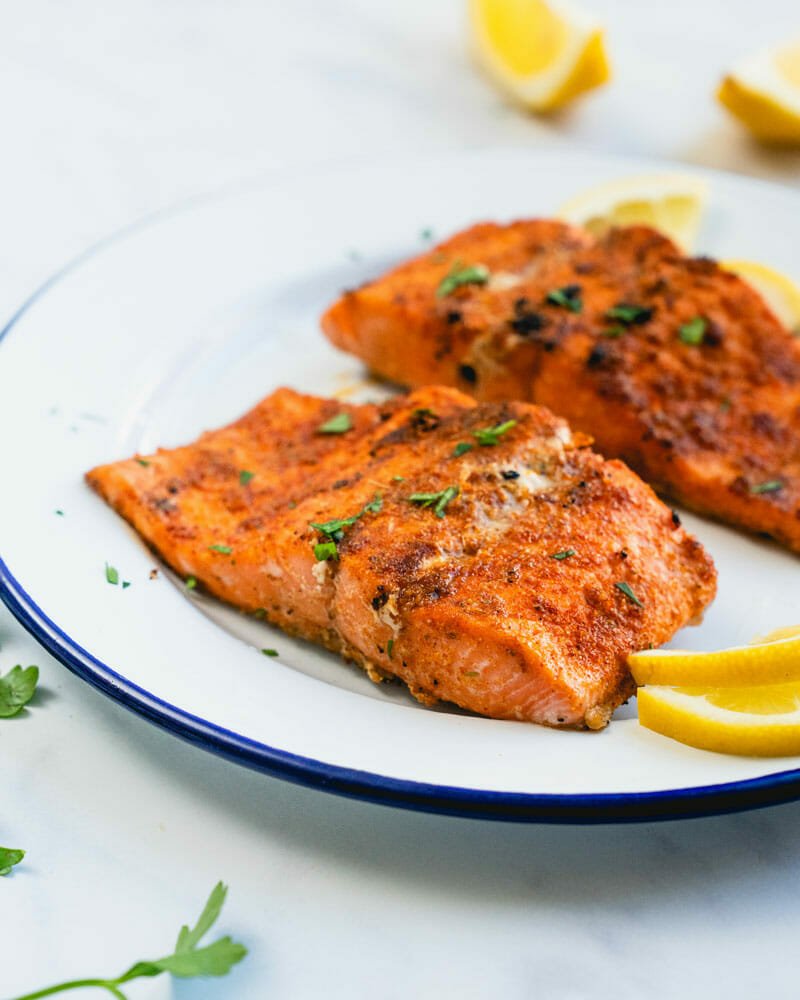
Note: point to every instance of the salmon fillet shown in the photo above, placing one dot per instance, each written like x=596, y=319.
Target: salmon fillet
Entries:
x=479, y=552
x=671, y=363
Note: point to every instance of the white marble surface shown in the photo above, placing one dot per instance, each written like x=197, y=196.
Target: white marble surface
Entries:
x=114, y=110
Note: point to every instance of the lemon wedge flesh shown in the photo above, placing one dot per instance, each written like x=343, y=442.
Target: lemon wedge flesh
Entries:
x=774, y=659
x=544, y=54
x=763, y=92
x=671, y=203
x=778, y=290
x=748, y=721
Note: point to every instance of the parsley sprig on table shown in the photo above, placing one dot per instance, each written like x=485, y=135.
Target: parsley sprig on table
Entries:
x=186, y=961
x=10, y=856
x=17, y=688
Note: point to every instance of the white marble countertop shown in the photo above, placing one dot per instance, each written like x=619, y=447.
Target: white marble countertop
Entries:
x=114, y=110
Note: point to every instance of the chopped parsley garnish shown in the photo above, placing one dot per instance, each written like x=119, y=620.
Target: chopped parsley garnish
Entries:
x=566, y=554
x=374, y=506
x=458, y=275
x=126, y=584
x=629, y=314
x=9, y=856
x=390, y=648
x=270, y=652
x=568, y=297
x=725, y=404
x=770, y=486
x=462, y=448
x=614, y=331
x=260, y=613
x=325, y=550
x=693, y=332
x=224, y=549
x=112, y=576
x=190, y=582
x=17, y=687
x=334, y=530
x=438, y=500
x=143, y=461
x=426, y=234
x=470, y=673
x=399, y=479
x=59, y=512
x=626, y=590
x=487, y=436
x=336, y=425
x=245, y=477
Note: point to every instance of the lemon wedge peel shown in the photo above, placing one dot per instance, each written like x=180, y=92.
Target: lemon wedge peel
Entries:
x=670, y=203
x=777, y=289
x=769, y=661
x=692, y=718
x=572, y=58
x=763, y=92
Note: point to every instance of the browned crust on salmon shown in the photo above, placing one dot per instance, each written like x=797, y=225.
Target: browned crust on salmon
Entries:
x=715, y=425
x=471, y=607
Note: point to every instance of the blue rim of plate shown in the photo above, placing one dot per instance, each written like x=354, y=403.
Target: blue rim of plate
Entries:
x=519, y=807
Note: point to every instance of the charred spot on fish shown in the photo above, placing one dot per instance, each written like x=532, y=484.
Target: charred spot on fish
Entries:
x=597, y=357
x=676, y=519
x=454, y=316
x=509, y=474
x=340, y=484
x=714, y=335
x=424, y=420
x=380, y=597
x=584, y=267
x=165, y=504
x=468, y=373
x=383, y=416
x=623, y=554
x=527, y=323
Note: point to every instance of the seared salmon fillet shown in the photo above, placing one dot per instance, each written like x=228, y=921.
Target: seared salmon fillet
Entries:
x=481, y=553
x=671, y=363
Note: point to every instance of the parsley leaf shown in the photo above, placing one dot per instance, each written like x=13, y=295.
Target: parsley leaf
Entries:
x=112, y=576
x=143, y=461
x=390, y=648
x=334, y=529
x=770, y=486
x=336, y=425
x=693, y=332
x=476, y=274
x=245, y=477
x=487, y=436
x=568, y=297
x=629, y=314
x=9, y=856
x=566, y=554
x=626, y=590
x=191, y=582
x=270, y=652
x=186, y=961
x=224, y=549
x=438, y=500
x=16, y=689
x=462, y=448
x=325, y=550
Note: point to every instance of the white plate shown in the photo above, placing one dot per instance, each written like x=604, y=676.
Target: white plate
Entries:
x=184, y=323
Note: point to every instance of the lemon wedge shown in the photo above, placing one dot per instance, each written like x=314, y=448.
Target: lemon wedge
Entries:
x=778, y=290
x=542, y=53
x=671, y=203
x=763, y=92
x=773, y=659
x=749, y=721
